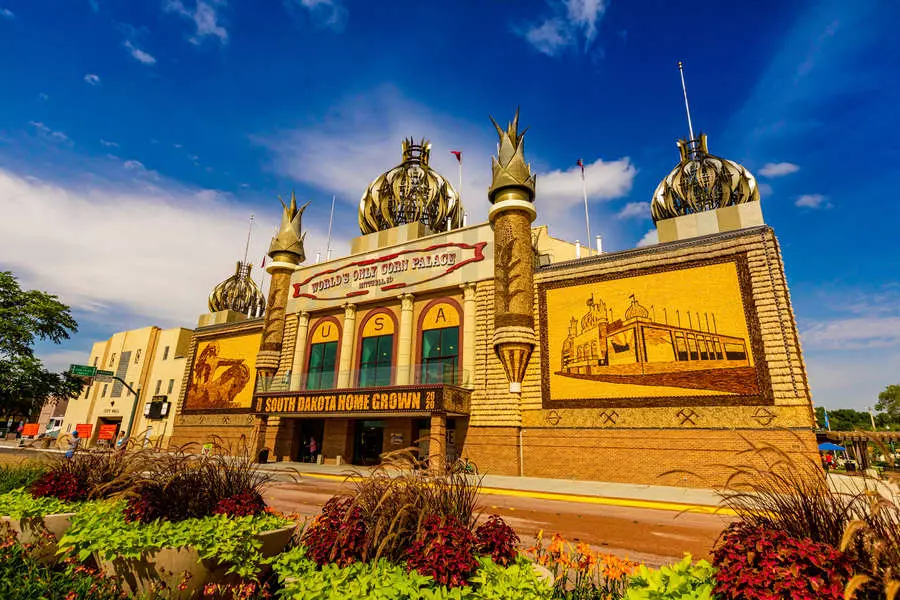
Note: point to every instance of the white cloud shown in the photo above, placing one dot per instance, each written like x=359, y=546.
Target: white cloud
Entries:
x=330, y=14
x=205, y=18
x=635, y=210
x=47, y=132
x=7, y=14
x=853, y=333
x=92, y=79
x=650, y=238
x=43, y=97
x=571, y=21
x=138, y=54
x=778, y=169
x=108, y=143
x=812, y=201
x=604, y=180
x=149, y=253
x=851, y=379
x=765, y=190
x=95, y=5
x=60, y=360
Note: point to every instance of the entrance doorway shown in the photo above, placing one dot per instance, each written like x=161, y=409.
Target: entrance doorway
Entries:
x=306, y=430
x=368, y=443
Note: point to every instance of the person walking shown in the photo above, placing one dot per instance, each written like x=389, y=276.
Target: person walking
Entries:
x=73, y=444
x=313, y=449
x=121, y=441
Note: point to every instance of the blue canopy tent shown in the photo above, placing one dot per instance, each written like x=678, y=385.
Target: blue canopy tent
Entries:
x=829, y=447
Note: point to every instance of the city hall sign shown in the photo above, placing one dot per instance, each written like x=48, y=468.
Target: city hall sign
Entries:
x=375, y=277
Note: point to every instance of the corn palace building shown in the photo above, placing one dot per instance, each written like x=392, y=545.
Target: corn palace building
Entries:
x=499, y=343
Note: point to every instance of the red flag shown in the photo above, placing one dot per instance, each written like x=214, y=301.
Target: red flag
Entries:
x=263, y=265
x=580, y=163
x=457, y=154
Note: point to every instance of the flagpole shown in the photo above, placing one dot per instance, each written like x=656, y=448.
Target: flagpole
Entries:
x=330, y=221
x=587, y=218
x=249, y=233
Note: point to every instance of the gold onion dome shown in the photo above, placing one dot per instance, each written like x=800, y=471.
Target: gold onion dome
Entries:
x=410, y=192
x=238, y=293
x=701, y=182
x=636, y=310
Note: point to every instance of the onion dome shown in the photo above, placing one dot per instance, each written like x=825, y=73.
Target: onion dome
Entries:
x=701, y=182
x=636, y=310
x=238, y=293
x=408, y=193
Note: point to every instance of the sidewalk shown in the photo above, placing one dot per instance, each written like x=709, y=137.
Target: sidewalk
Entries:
x=566, y=490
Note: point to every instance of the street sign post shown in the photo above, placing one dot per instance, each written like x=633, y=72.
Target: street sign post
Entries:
x=106, y=373
x=83, y=370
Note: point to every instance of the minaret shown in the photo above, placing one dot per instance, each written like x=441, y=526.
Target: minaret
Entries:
x=286, y=252
x=512, y=196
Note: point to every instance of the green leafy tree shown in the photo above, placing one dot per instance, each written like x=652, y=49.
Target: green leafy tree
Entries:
x=889, y=404
x=844, y=419
x=27, y=316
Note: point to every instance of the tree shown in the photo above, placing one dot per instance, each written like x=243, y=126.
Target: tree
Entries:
x=25, y=317
x=889, y=403
x=844, y=419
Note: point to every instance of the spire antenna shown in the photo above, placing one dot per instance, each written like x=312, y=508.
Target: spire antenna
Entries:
x=249, y=233
x=687, y=106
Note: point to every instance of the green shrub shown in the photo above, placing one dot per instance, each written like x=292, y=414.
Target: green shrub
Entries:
x=681, y=581
x=302, y=581
x=19, y=476
x=20, y=504
x=101, y=528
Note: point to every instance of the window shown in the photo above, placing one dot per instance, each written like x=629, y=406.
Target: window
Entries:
x=440, y=355
x=68, y=428
x=158, y=385
x=320, y=370
x=440, y=344
x=96, y=360
x=137, y=356
x=103, y=395
x=112, y=359
x=171, y=385
x=321, y=366
x=165, y=353
x=375, y=361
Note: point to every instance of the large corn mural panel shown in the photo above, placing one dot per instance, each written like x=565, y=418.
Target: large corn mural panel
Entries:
x=222, y=373
x=670, y=334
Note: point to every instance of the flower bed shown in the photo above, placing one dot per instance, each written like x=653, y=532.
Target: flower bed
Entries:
x=180, y=556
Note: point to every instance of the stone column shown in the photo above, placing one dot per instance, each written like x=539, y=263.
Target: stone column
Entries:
x=404, y=341
x=468, y=331
x=297, y=374
x=437, y=445
x=347, y=336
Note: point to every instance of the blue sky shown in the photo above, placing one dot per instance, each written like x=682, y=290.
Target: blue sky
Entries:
x=137, y=137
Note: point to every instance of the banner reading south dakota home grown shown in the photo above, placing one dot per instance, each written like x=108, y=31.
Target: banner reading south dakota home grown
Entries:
x=417, y=399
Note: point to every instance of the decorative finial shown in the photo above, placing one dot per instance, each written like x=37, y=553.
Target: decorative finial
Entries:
x=287, y=245
x=687, y=107
x=509, y=167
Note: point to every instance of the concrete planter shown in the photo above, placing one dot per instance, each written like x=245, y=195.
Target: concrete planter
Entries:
x=168, y=566
x=29, y=530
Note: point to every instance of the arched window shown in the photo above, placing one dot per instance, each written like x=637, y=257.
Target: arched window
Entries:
x=376, y=355
x=439, y=325
x=323, y=347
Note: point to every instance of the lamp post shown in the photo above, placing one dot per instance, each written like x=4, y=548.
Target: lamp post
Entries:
x=871, y=417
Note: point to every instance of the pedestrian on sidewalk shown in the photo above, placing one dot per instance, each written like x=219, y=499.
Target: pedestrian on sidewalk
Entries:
x=313, y=449
x=73, y=444
x=121, y=441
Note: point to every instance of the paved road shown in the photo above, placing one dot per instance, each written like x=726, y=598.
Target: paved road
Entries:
x=652, y=536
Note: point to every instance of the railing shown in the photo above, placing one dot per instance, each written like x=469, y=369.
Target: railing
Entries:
x=365, y=378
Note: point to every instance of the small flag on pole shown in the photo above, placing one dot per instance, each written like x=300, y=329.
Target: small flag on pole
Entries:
x=457, y=154
x=263, y=265
x=580, y=163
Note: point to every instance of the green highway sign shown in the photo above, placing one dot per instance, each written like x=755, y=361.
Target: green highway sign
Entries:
x=83, y=370
x=107, y=373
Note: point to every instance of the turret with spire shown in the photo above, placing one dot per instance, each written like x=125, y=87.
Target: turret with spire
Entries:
x=512, y=196
x=287, y=252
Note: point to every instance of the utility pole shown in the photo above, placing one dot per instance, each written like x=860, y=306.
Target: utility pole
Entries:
x=871, y=417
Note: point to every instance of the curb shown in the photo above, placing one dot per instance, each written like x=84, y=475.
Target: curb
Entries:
x=682, y=507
